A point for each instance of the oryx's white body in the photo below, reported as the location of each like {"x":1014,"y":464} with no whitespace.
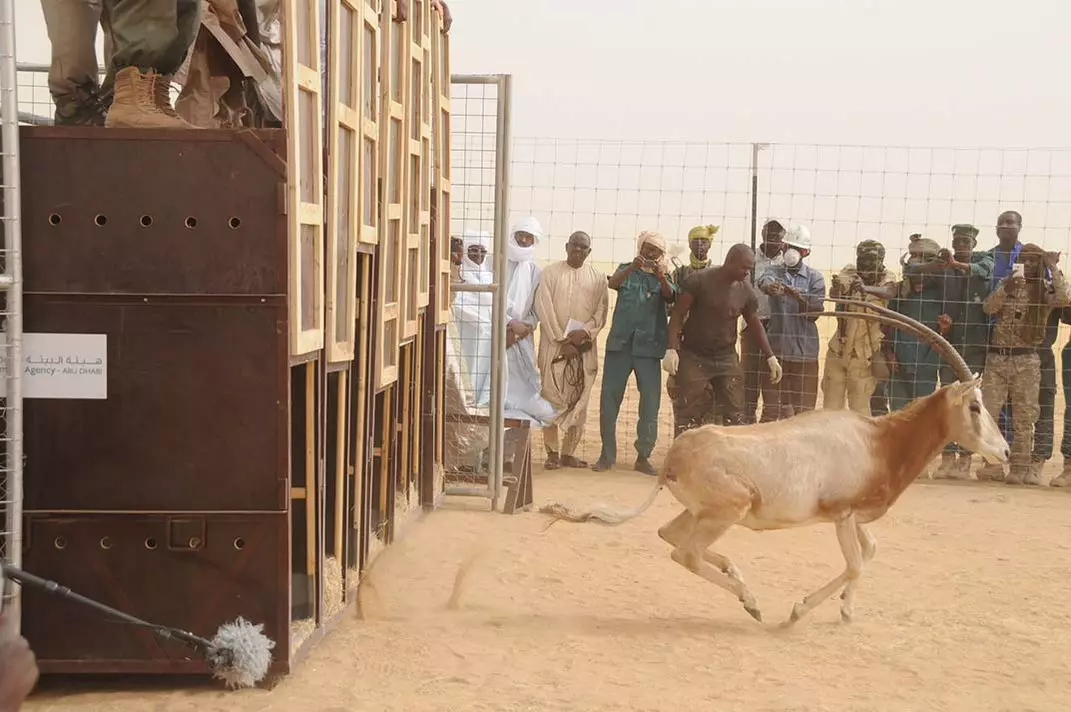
{"x":824,"y":466}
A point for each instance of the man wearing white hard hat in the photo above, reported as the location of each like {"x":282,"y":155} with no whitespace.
{"x":794,"y":288}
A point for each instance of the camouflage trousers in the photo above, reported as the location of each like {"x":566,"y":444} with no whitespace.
{"x":1017,"y":378}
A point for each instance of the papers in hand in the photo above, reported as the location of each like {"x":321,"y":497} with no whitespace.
{"x":574,"y":325}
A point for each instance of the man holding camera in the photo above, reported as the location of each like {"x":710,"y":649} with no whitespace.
{"x":1021,"y":304}
{"x":571,"y":302}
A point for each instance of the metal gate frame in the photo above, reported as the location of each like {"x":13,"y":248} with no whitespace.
{"x":11,"y":283}
{"x":497,"y":288}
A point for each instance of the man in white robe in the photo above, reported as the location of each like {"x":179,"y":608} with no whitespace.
{"x":524,"y":399}
{"x":572,"y":302}
{"x":472,"y":314}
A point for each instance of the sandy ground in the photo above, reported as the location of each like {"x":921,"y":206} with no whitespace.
{"x":965,"y":607}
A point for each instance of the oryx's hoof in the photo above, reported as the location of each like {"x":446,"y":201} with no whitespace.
{"x":754,"y":611}
{"x":794,"y":616}
{"x":845,"y":615}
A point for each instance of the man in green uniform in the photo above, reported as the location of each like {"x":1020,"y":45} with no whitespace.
{"x":965,"y":276}
{"x":636,"y":344}
{"x":151,"y":39}
{"x":699,"y":239}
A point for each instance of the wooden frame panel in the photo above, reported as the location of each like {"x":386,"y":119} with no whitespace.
{"x":305,"y":190}
{"x":418,"y":165}
{"x":345,"y":32}
{"x":371,"y":98}
{"x":391,"y":254}
{"x":440,"y":126}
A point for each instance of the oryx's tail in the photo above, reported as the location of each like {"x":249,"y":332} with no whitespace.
{"x":601,"y":513}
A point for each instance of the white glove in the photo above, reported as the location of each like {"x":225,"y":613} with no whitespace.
{"x":671,"y":361}
{"x":775,"y":369}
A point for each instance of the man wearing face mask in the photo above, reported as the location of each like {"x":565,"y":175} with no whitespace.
{"x":699,"y":239}
{"x":523,"y":383}
{"x":850,"y":378}
{"x":1021,"y":304}
{"x":794,"y":288}
{"x":472,"y":315}
{"x":709,"y":371}
{"x":636,"y":344}
{"x":571,"y":302}
{"x":913,"y":362}
{"x":756,"y":377}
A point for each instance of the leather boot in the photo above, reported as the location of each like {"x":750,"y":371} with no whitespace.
{"x":135,"y":106}
{"x":1064,"y":478}
{"x":944,"y":470}
{"x":162,"y":94}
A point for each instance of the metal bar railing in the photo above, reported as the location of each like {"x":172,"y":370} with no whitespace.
{"x":12,"y":284}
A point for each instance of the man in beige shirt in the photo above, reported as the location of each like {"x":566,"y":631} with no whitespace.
{"x":849,"y":378}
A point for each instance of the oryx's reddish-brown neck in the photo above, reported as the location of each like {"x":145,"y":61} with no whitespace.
{"x":909,"y":439}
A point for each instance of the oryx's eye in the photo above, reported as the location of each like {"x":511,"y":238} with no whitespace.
{"x":975,"y":408}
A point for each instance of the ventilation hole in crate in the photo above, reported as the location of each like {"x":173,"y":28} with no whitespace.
{"x":239,"y":543}
{"x":194,"y":542}
{"x":55,"y":219}
{"x":191,"y":222}
{"x":234,"y":223}
{"x":60,"y":542}
{"x":105,"y":542}
{"x":150,"y":543}
{"x":146,"y":221}
{"x":100,"y":220}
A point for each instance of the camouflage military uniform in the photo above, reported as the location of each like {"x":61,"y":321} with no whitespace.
{"x":1013,"y":369}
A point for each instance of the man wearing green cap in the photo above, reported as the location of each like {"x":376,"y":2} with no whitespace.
{"x":965,"y":276}
{"x":849,"y":378}
{"x":699,"y":239}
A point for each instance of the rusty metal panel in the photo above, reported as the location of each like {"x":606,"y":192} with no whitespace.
{"x":144,"y":565}
{"x":161,"y":212}
{"x":196,"y":414}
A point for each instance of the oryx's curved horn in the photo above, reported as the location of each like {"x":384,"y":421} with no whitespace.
{"x":947,"y":351}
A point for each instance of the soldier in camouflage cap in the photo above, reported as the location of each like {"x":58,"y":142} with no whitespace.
{"x":849,"y":379}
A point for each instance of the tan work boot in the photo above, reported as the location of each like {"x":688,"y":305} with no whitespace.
{"x":991,"y":473}
{"x":962,"y":469}
{"x":944,"y":470}
{"x":135,"y":104}
{"x":162,"y":94}
{"x":1064,"y":478}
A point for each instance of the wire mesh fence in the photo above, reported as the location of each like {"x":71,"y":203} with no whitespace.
{"x":904,"y":199}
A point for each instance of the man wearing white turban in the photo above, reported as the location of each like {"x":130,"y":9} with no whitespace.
{"x":472,"y":316}
{"x":636,"y":344}
{"x":523,"y":383}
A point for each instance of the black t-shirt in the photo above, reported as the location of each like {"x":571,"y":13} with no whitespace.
{"x":717,"y":305}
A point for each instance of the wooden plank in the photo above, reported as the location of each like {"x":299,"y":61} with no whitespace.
{"x":370,"y":160}
{"x":387,"y":451}
{"x":417,"y":445}
{"x":345,"y":32}
{"x":305,"y":193}
{"x":440,"y":125}
{"x":405,"y":425}
{"x":391,"y":254}
{"x":310,"y":473}
{"x":341,"y":467}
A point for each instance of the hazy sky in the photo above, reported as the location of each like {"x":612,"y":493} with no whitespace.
{"x":948,"y":73}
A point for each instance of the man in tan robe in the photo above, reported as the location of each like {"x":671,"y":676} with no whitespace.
{"x":571,"y":302}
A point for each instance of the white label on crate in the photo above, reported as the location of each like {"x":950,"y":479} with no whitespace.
{"x":66,"y":366}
